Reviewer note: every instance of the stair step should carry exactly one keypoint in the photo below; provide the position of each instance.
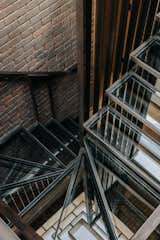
(82, 231)
(53, 144)
(72, 126)
(67, 138)
(23, 146)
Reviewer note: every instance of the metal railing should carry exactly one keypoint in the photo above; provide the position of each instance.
(125, 140)
(134, 95)
(21, 197)
(37, 75)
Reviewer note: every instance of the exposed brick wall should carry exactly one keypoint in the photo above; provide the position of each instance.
(37, 35)
(65, 92)
(63, 100)
(42, 100)
(17, 105)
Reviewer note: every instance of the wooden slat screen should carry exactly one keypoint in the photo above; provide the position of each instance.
(121, 26)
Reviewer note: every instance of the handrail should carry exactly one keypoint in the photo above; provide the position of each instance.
(37, 75)
(15, 218)
(28, 163)
(24, 182)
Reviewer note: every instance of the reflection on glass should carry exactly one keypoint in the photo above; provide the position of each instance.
(147, 162)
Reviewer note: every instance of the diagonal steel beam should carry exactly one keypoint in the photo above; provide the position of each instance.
(29, 163)
(71, 187)
(50, 187)
(88, 194)
(103, 204)
(22, 183)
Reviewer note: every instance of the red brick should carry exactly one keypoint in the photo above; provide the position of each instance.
(53, 22)
(37, 35)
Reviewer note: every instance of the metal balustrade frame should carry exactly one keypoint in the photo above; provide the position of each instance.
(48, 189)
(131, 170)
(84, 161)
(143, 47)
(116, 86)
(93, 162)
(124, 184)
(57, 173)
(122, 197)
(53, 174)
(95, 138)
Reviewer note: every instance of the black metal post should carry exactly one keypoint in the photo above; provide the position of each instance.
(103, 204)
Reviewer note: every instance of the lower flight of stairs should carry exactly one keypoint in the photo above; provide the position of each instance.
(53, 144)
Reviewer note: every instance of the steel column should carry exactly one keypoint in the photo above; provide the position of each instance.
(103, 204)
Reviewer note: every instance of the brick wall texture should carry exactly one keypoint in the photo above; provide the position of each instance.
(17, 105)
(37, 35)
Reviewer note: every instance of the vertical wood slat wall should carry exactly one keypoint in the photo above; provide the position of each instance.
(120, 27)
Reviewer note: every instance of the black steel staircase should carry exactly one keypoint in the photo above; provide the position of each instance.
(34, 162)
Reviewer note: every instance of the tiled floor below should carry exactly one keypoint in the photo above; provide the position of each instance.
(74, 225)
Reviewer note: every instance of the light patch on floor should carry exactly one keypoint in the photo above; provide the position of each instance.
(74, 225)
